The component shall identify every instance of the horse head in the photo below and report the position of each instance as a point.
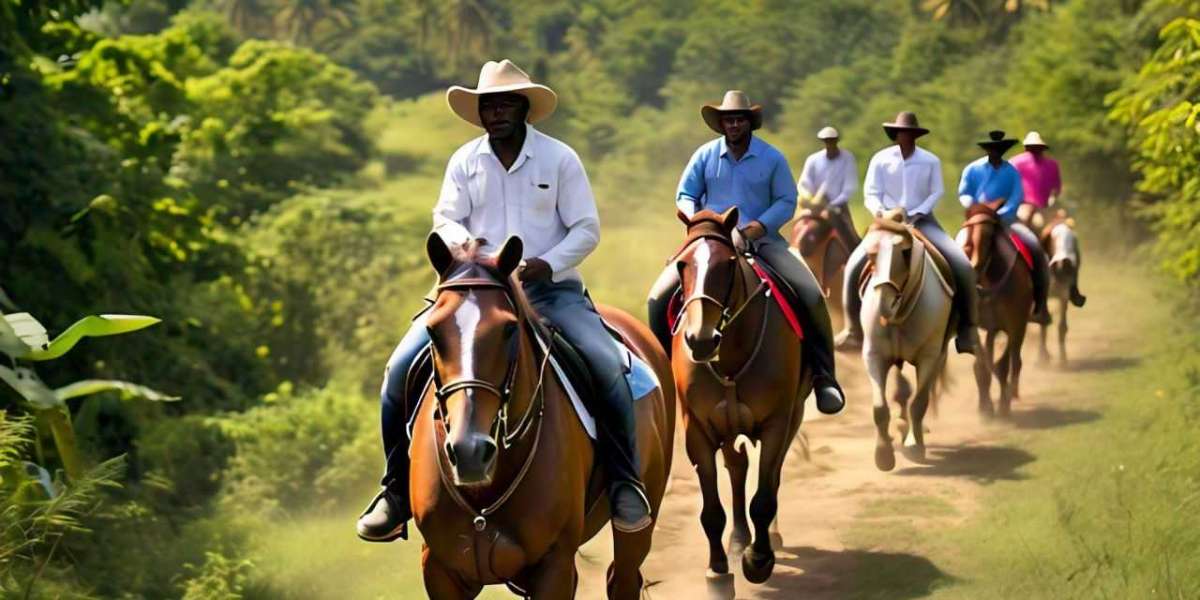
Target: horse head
(812, 227)
(708, 274)
(980, 227)
(476, 326)
(886, 243)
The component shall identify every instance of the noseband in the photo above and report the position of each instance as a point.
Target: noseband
(727, 316)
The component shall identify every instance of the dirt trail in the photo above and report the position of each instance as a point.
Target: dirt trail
(837, 491)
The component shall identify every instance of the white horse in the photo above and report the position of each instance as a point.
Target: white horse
(906, 312)
(1063, 248)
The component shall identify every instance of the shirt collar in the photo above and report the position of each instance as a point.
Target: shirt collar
(527, 147)
(753, 150)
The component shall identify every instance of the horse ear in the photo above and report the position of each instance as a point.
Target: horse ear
(510, 255)
(439, 253)
(729, 219)
(683, 218)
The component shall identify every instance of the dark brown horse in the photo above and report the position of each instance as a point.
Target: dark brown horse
(1005, 302)
(501, 465)
(738, 372)
(824, 251)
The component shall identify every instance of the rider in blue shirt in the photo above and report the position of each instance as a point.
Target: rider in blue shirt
(739, 169)
(993, 181)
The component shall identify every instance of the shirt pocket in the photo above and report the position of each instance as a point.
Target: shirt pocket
(540, 202)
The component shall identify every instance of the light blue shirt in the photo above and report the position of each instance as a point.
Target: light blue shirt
(760, 184)
(981, 182)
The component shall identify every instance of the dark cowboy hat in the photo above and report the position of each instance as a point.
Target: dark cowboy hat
(905, 121)
(734, 101)
(996, 140)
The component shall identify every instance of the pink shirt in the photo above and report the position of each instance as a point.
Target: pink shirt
(1039, 177)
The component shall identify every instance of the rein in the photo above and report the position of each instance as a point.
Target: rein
(507, 437)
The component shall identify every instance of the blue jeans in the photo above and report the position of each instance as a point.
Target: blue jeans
(573, 314)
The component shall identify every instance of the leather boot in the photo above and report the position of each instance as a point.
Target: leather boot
(617, 447)
(967, 340)
(386, 517)
(1077, 298)
(1041, 314)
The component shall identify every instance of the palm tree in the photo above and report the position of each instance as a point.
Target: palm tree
(301, 18)
(247, 16)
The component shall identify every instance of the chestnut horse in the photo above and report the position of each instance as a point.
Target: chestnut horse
(1062, 246)
(824, 251)
(738, 372)
(906, 317)
(1005, 303)
(501, 464)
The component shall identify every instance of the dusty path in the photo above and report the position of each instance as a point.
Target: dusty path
(834, 504)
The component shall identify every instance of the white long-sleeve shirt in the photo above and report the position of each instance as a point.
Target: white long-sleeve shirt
(838, 175)
(545, 198)
(914, 184)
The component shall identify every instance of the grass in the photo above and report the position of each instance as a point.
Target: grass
(1107, 509)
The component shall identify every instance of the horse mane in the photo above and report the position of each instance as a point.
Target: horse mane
(471, 263)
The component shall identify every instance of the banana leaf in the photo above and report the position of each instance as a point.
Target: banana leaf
(92, 326)
(95, 386)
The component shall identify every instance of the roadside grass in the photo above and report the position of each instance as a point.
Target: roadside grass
(1108, 508)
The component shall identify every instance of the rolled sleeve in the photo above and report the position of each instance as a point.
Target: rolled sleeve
(576, 207)
(783, 197)
(454, 204)
(692, 186)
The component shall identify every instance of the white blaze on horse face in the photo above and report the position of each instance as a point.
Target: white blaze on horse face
(467, 319)
(701, 257)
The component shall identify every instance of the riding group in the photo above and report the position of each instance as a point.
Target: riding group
(519, 417)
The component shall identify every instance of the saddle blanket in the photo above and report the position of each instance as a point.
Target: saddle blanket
(1022, 249)
(641, 378)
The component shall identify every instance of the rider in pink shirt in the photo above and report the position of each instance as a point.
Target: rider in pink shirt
(1040, 178)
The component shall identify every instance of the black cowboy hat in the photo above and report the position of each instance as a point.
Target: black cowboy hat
(996, 140)
(905, 121)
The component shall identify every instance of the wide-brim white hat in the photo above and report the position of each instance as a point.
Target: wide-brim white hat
(827, 133)
(1034, 138)
(734, 101)
(499, 77)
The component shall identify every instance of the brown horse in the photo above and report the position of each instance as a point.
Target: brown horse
(824, 251)
(501, 465)
(738, 372)
(1005, 303)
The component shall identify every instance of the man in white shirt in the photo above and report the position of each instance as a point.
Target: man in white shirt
(910, 178)
(516, 180)
(830, 176)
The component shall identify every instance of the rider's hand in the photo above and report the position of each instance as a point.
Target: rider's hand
(995, 204)
(534, 269)
(754, 230)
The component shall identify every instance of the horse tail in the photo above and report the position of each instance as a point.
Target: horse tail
(941, 383)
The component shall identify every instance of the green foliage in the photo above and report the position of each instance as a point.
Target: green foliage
(1160, 105)
(219, 578)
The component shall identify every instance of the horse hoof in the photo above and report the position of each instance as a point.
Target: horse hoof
(737, 546)
(914, 453)
(757, 567)
(987, 411)
(885, 458)
(717, 569)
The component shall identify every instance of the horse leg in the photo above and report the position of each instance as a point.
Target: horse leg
(554, 577)
(703, 456)
(927, 374)
(901, 396)
(441, 582)
(759, 560)
(1003, 375)
(1043, 351)
(1015, 363)
(1062, 332)
(624, 574)
(983, 376)
(877, 370)
(737, 463)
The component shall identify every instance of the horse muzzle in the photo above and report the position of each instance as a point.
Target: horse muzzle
(703, 348)
(472, 458)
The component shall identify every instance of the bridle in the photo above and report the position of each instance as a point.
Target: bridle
(500, 427)
(727, 315)
(981, 219)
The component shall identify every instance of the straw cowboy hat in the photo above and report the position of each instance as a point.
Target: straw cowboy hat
(827, 133)
(905, 121)
(1034, 138)
(734, 101)
(996, 140)
(497, 77)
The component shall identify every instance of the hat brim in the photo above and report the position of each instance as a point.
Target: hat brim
(712, 116)
(464, 102)
(1042, 146)
(891, 129)
(1002, 145)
